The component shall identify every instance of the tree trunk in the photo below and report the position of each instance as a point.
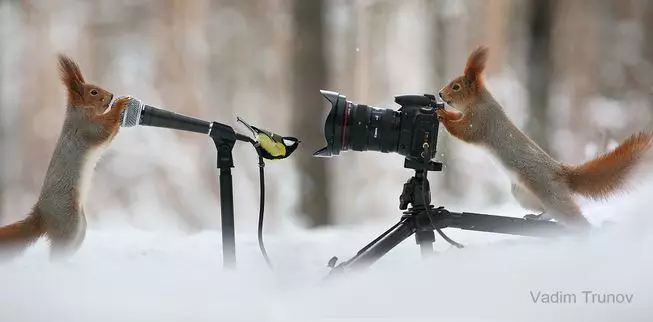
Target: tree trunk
(175, 80)
(441, 72)
(309, 76)
(4, 134)
(539, 70)
(575, 59)
(647, 48)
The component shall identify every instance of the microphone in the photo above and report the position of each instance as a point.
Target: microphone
(137, 113)
(269, 145)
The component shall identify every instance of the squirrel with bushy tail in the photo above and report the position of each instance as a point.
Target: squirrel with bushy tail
(87, 130)
(538, 182)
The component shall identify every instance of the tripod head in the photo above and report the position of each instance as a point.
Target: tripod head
(417, 189)
(421, 165)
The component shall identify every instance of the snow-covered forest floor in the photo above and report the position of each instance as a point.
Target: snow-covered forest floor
(123, 274)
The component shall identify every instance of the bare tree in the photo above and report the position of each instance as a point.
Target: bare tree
(176, 19)
(441, 70)
(647, 24)
(40, 85)
(3, 135)
(575, 53)
(309, 76)
(539, 64)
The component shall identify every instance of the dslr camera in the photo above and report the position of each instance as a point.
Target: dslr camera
(409, 131)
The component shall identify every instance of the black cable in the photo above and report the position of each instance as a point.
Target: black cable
(261, 172)
(428, 209)
(261, 165)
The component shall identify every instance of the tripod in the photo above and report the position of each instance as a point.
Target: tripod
(423, 218)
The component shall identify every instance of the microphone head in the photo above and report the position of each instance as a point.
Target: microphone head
(131, 115)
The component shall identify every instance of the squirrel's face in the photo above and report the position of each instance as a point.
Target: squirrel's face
(96, 98)
(82, 95)
(462, 92)
(458, 94)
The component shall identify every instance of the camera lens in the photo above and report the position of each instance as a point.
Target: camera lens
(358, 127)
(334, 124)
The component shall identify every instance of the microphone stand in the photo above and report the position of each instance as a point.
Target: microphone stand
(225, 138)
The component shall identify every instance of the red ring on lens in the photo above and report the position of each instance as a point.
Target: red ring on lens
(344, 125)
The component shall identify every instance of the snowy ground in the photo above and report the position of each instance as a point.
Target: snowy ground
(130, 275)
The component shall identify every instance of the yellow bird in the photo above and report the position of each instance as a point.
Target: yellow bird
(270, 145)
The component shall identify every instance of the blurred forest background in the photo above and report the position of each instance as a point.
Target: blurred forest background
(577, 75)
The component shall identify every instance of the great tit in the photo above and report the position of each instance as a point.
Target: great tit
(270, 145)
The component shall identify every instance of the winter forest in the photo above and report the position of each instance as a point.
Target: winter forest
(575, 75)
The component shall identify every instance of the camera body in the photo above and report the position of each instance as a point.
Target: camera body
(408, 131)
(419, 125)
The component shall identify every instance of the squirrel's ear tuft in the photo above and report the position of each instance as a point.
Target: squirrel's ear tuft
(476, 63)
(70, 74)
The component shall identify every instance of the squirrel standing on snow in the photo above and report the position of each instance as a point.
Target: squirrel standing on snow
(87, 130)
(538, 182)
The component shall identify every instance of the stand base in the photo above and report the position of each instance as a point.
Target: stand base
(422, 223)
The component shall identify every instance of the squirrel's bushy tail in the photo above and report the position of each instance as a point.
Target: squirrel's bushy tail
(609, 173)
(14, 238)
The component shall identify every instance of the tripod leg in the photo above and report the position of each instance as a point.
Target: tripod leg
(425, 239)
(381, 245)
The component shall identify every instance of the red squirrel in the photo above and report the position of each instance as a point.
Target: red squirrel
(87, 129)
(538, 182)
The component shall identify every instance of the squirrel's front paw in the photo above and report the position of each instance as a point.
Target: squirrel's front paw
(442, 114)
(121, 102)
(445, 115)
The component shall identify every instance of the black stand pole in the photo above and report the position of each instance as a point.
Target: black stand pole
(422, 218)
(224, 138)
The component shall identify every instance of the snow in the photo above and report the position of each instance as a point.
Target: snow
(125, 274)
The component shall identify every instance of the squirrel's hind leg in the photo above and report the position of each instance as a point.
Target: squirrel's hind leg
(65, 243)
(543, 216)
(560, 205)
(529, 201)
